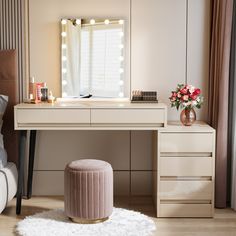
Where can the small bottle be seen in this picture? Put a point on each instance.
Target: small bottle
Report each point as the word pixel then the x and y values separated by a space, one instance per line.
pixel 32 88
pixel 51 98
pixel 44 93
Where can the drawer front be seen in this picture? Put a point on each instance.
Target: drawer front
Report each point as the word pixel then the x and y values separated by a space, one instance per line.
pixel 186 142
pixel 186 166
pixel 52 116
pixel 185 210
pixel 128 116
pixel 185 190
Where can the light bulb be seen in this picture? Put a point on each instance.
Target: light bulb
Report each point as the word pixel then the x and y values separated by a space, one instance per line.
pixel 121 22
pixel 121 58
pixel 63 21
pixel 64 94
pixel 121 34
pixel 121 82
pixel 64 70
pixel 64 82
pixel 92 21
pixel 106 22
pixel 63 34
pixel 78 21
pixel 63 46
pixel 64 58
pixel 121 70
pixel 121 94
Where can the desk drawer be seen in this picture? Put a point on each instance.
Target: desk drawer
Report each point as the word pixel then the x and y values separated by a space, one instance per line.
pixel 186 142
pixel 186 166
pixel 128 116
pixel 185 210
pixel 185 190
pixel 52 116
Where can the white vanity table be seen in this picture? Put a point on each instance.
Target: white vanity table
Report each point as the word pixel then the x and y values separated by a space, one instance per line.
pixel 183 160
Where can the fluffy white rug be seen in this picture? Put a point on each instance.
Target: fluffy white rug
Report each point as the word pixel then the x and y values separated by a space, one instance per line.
pixel 122 222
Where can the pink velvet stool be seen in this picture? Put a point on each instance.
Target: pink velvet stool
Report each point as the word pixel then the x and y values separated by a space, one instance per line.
pixel 88 190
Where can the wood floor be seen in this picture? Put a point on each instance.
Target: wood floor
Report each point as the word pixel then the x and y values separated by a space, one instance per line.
pixel 223 224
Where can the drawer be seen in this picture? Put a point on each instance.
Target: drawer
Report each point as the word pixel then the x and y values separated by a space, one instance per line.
pixel 52 116
pixel 185 210
pixel 186 166
pixel 128 116
pixel 185 190
pixel 186 142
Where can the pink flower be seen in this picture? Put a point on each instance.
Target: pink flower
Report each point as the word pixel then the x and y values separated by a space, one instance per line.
pixel 184 91
pixel 185 98
pixel 172 99
pixel 174 94
pixel 197 91
pixel 178 95
pixel 193 96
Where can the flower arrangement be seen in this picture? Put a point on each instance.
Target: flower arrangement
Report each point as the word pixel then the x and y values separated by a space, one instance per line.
pixel 186 97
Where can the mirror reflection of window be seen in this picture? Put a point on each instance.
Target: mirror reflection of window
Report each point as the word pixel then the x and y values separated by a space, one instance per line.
pixel 92 58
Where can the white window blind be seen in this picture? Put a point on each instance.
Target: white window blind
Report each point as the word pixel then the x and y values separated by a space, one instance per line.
pixel 101 69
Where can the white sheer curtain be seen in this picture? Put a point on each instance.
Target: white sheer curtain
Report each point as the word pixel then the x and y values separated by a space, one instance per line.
pixel 71 59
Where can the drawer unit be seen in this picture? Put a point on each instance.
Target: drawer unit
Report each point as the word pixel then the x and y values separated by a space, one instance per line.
pixel 185 171
pixel 90 115
pixel 186 142
pixel 148 117
pixel 52 116
pixel 185 190
pixel 185 166
pixel 185 210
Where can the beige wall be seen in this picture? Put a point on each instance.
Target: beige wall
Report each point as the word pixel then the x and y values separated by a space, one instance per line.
pixel 169 45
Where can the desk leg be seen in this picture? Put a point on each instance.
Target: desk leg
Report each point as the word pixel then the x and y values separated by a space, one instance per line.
pixel 31 162
pixel 21 162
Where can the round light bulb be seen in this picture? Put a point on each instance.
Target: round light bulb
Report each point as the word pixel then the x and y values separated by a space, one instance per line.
pixel 121 58
pixel 78 21
pixel 63 34
pixel 121 22
pixel 92 21
pixel 121 82
pixel 121 94
pixel 63 21
pixel 121 70
pixel 121 34
pixel 63 46
pixel 64 82
pixel 106 22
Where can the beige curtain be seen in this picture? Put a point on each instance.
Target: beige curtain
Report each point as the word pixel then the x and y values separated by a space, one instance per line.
pixel 218 91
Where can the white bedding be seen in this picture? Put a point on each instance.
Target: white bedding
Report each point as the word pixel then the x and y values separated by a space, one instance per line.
pixel 8 184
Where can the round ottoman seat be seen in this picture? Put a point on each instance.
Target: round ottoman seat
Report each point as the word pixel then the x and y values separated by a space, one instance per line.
pixel 88 190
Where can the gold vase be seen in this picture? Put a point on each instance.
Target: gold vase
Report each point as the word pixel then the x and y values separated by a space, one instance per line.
pixel 188 116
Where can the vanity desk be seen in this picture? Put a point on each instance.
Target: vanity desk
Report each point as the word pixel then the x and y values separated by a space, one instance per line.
pixel 183 157
pixel 79 115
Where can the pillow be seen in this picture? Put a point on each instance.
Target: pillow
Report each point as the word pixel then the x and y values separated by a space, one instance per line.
pixel 3 158
pixel 3 105
pixel 3 153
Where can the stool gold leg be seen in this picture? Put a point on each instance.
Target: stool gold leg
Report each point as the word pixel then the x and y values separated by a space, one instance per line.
pixel 87 221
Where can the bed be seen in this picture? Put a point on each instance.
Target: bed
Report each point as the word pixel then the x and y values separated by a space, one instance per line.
pixel 9 87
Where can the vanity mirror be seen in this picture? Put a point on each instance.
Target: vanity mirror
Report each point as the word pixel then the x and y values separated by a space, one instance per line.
pixel 93 56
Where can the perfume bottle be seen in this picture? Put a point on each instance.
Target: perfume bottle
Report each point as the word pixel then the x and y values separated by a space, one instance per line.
pixel 44 93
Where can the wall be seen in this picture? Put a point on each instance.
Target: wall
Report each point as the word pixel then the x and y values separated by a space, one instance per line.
pixel 169 45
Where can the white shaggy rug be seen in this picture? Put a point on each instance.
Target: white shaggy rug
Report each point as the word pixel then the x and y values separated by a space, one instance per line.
pixel 122 222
